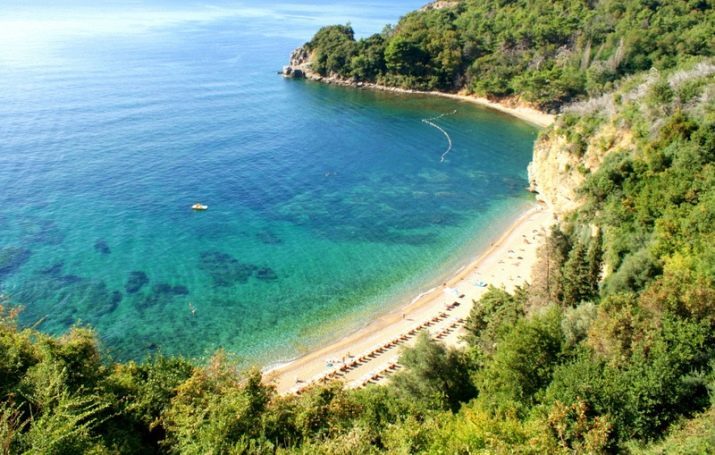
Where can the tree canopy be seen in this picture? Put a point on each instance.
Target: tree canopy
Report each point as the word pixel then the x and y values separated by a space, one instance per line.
pixel 544 53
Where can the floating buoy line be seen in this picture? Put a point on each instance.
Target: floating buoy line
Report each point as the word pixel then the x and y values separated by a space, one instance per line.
pixel 430 122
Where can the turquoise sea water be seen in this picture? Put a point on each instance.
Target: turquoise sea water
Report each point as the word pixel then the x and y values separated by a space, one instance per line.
pixel 326 205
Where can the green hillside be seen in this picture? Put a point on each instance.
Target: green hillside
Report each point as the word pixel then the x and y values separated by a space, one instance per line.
pixel 542 52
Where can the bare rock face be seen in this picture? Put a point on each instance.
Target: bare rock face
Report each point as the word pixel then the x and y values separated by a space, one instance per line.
pixel 439 4
pixel 289 71
pixel 557 172
pixel 299 66
pixel 299 57
pixel 553 175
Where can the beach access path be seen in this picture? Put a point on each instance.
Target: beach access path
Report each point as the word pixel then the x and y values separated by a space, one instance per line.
pixel 370 355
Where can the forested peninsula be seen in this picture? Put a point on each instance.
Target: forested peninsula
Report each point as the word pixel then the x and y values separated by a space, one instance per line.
pixel 610 348
pixel 537 52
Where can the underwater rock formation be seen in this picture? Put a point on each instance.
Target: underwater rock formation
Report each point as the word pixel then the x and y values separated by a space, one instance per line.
pixel 101 247
pixel 136 281
pixel 12 258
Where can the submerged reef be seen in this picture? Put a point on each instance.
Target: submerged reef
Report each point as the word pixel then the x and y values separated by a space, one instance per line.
pixel 101 247
pixel 167 289
pixel 161 295
pixel 225 270
pixel 266 274
pixel 70 298
pixel 268 238
pixel 12 258
pixel 136 281
pixel 43 232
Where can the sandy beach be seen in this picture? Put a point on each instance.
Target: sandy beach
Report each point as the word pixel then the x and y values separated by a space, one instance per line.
pixel 370 354
pixel 526 113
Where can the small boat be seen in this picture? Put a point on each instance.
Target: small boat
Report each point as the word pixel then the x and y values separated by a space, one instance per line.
pixel 199 206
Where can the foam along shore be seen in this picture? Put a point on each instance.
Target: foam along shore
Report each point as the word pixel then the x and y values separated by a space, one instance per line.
pixel 370 354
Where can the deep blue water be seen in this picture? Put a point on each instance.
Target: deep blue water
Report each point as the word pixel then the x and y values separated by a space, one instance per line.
pixel 326 205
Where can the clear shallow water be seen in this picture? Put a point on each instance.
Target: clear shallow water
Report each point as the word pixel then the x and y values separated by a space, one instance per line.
pixel 326 204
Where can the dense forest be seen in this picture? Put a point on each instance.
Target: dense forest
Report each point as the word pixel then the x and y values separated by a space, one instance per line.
pixel 542 52
pixel 610 348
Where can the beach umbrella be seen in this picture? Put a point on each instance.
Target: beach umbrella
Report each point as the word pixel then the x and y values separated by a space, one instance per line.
pixel 452 292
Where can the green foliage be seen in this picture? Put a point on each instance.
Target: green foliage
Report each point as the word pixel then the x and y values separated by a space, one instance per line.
pixel 577 321
pixel 11 425
pixel 575 430
pixel 545 53
pixel 547 284
pixel 692 437
pixel 17 352
pixel 595 262
pixel 493 315
pixel 523 362
pixel 67 427
pixel 214 412
pixel 476 430
pixel 577 284
pixel 659 381
pixel 636 270
pixel 435 375
pixel 149 387
pixel 369 59
pixel 333 48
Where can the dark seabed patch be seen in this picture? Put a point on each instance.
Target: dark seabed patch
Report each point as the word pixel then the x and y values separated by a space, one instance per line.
pixel 268 238
pixel 98 300
pixel 169 290
pixel 12 258
pixel 161 294
pixel 44 232
pixel 224 269
pixel 71 298
pixel 54 270
pixel 101 247
pixel 266 274
pixel 136 281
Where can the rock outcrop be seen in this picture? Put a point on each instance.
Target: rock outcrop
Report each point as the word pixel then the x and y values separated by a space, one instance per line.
pixel 299 66
pixel 557 170
pixel 439 4
pixel 553 175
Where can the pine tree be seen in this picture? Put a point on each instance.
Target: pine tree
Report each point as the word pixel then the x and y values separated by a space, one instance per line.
pixel 557 249
pixel 576 277
pixel 595 262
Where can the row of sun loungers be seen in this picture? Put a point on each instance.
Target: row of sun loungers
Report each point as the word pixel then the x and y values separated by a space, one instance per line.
pixel 449 329
pixel 376 375
pixel 376 351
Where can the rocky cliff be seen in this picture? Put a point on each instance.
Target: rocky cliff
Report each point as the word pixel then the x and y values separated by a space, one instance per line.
pixel 561 163
pixel 586 132
pixel 439 4
pixel 299 65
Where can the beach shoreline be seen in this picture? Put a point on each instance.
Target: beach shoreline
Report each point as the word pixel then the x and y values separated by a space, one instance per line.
pixel 498 265
pixel 519 110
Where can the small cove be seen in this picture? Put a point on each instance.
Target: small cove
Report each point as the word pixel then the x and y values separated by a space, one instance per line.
pixel 326 204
